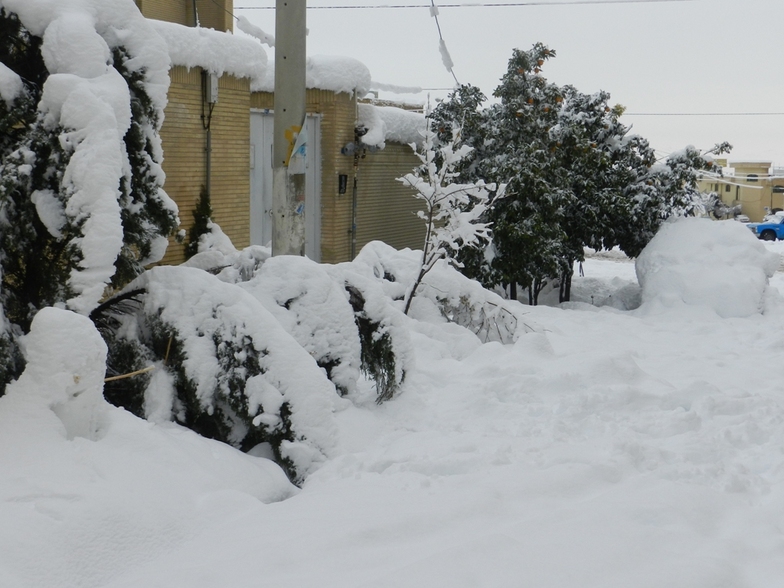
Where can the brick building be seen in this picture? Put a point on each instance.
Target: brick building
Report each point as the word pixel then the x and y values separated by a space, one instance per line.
pixel 237 167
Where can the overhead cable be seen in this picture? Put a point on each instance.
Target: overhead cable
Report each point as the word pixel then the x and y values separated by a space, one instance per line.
pixel 473 4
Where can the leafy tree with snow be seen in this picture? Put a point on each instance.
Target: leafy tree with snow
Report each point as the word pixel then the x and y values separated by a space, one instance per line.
pixel 576 177
pixel 452 210
pixel 81 200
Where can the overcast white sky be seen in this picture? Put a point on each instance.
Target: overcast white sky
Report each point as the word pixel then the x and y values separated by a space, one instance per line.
pixel 697 56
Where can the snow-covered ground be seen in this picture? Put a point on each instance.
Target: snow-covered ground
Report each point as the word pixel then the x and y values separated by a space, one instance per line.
pixel 606 448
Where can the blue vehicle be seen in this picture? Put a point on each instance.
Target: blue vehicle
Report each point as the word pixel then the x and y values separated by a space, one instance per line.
pixel 770 229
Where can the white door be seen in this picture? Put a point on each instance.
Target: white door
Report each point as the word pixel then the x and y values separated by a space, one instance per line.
pixel 261 127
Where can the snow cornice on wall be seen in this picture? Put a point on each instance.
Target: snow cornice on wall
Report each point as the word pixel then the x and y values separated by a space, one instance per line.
pixel 214 51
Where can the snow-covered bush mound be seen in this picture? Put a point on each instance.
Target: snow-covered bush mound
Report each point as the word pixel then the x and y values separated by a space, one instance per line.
pixel 696 261
pixel 457 298
pixel 315 310
pixel 225 367
pixel 386 350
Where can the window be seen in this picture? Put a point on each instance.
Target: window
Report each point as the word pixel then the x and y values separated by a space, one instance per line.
pixel 727 188
pixel 778 189
pixel 752 177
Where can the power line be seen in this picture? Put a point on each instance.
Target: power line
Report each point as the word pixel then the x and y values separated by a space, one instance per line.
pixel 703 113
pixel 474 4
pixel 445 57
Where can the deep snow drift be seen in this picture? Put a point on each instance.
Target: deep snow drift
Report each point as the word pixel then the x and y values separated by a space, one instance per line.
pixel 597 448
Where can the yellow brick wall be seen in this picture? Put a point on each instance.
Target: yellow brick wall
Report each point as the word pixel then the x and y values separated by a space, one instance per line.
pixel 184 144
pixel 386 209
pixel 168 10
pixel 213 14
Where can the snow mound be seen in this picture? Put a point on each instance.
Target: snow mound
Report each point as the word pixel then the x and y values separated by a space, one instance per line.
pixel 717 264
pixel 445 293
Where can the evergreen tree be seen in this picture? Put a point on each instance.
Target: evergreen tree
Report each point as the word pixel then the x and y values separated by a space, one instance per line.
pixel 576 177
pixel 42 230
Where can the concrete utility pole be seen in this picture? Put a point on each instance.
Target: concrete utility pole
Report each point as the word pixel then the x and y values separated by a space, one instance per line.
pixel 288 190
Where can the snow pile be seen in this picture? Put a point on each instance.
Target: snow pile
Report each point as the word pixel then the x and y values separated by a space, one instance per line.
pixel 326 72
pixel 445 294
pixel 388 123
pixel 214 51
pixel 315 310
pixel 718 264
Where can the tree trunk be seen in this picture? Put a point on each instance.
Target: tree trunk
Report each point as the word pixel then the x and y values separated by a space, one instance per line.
pixel 565 291
pixel 513 291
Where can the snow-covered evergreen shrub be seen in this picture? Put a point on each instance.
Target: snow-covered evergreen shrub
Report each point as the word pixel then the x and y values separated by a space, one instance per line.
pixel 234 374
pixel 386 349
pixel 215 253
pixel 202 217
pixel 314 310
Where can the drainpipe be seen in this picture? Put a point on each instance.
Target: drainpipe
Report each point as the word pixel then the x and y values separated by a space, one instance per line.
pixel 195 15
pixel 354 185
pixel 210 98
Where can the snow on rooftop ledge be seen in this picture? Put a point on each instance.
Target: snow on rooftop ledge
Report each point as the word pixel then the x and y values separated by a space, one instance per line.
pixel 327 72
pixel 388 123
pixel 213 51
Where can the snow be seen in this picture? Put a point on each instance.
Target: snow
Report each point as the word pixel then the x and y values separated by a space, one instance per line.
pixel 389 123
pixel 721 265
pixel 600 448
pixel 11 86
pixel 251 29
pixel 217 52
pixel 326 72
pixel 314 309
pixel 89 490
pixel 204 311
